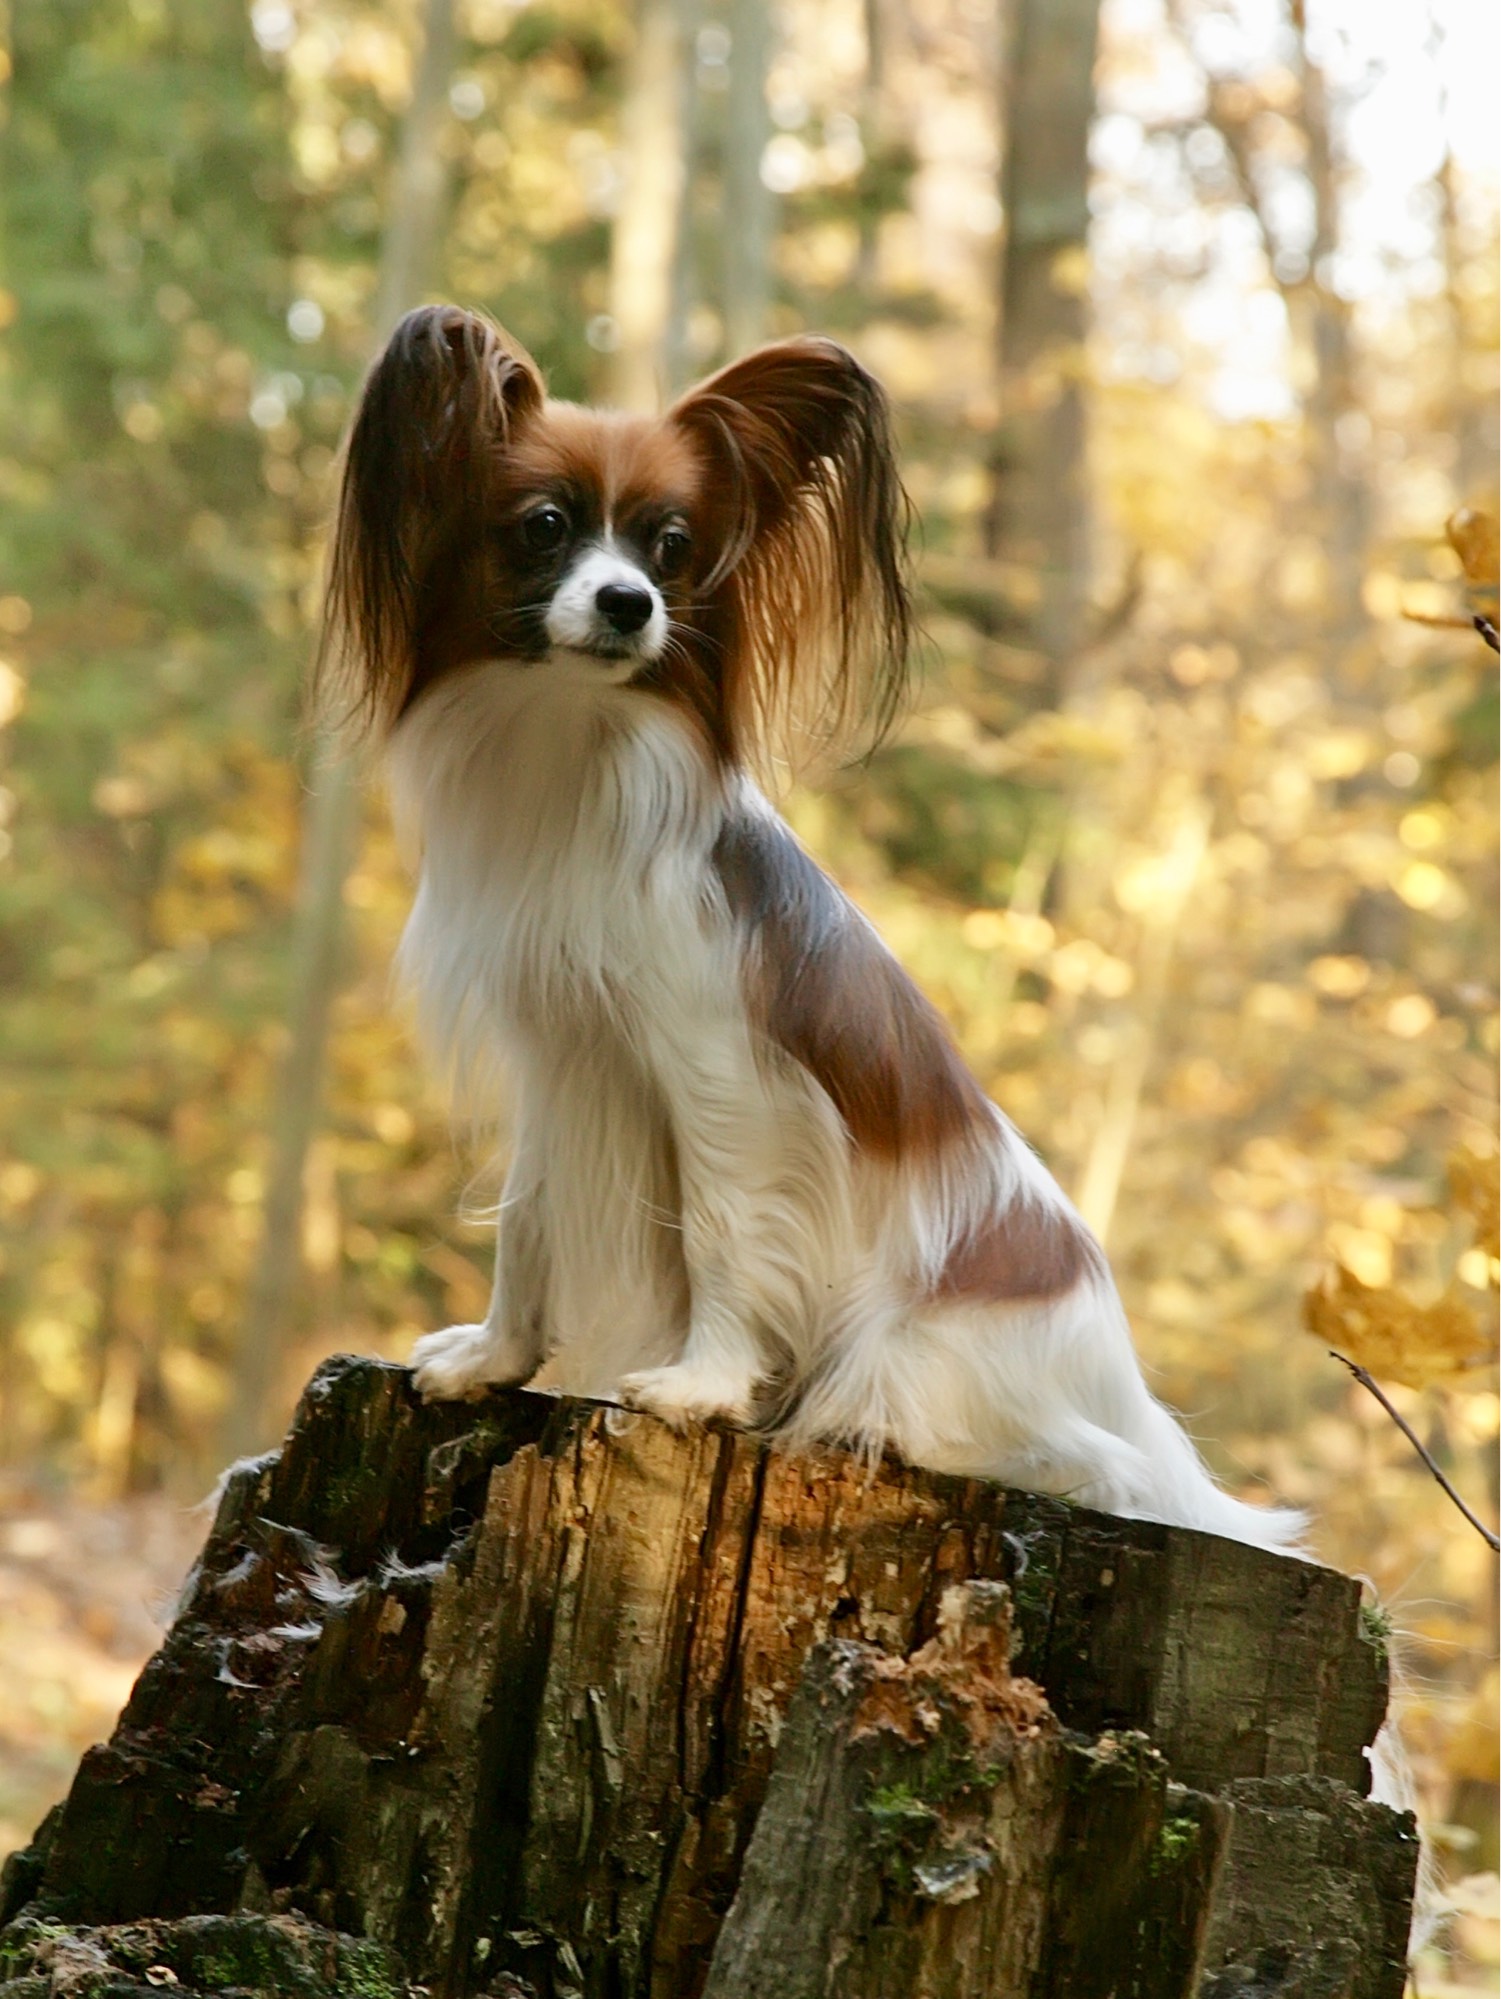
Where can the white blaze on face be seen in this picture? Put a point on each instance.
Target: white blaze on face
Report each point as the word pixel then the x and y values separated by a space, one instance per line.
pixel 575 618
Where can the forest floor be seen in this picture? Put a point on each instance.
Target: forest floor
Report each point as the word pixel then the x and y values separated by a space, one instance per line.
pixel 85 1591
pixel 86 1588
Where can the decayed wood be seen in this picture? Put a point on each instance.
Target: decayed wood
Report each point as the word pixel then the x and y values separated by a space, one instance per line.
pixel 930 1832
pixel 1315 1896
pixel 500 1685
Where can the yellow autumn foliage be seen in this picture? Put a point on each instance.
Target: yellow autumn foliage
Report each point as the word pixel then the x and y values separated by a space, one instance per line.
pixel 1475 1182
pixel 1476 1750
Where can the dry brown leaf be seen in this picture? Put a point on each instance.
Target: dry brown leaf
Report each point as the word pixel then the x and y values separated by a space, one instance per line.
pixel 1393 1337
pixel 1475 538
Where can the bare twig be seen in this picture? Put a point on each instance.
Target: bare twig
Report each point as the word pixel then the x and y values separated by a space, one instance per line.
pixel 1488 632
pixel 1440 623
pixel 1405 1427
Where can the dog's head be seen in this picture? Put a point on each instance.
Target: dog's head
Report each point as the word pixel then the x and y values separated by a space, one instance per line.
pixel 742 554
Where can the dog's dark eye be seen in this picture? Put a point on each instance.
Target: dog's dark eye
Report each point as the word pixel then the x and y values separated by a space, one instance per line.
pixel 544 529
pixel 672 551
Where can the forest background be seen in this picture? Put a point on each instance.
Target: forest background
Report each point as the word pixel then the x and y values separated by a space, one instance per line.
pixel 1189 312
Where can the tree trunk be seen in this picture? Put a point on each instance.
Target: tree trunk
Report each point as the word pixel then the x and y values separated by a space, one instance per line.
pixel 1320 321
pixel 1038 525
pixel 747 199
pixel 647 281
pixel 332 815
pixel 329 822
pixel 1110 1148
pixel 500 1687
pixel 867 272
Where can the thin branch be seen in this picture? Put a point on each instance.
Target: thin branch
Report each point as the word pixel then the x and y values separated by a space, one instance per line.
pixel 1405 1427
pixel 1488 632
pixel 1234 133
pixel 1445 624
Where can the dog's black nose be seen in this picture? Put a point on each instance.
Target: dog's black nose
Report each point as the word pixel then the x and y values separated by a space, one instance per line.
pixel 624 608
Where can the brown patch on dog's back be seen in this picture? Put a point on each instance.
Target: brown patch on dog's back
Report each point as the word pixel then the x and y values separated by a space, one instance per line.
pixel 1030 1251
pixel 825 988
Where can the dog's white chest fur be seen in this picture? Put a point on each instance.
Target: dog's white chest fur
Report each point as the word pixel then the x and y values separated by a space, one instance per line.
pixel 568 927
pixel 565 826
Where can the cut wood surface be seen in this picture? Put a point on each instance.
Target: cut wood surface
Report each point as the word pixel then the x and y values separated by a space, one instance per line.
pixel 500 1686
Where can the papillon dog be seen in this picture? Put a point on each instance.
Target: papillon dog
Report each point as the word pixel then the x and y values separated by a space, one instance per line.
pixel 750 1177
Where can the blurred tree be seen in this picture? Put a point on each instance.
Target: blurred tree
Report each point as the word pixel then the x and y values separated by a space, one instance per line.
pixel 1038 522
pixel 1261 122
pixel 873 137
pixel 408 255
pixel 747 199
pixel 149 396
pixel 646 273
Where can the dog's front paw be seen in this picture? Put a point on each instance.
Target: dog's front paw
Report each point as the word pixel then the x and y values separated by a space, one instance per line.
pixel 463 1361
pixel 687 1393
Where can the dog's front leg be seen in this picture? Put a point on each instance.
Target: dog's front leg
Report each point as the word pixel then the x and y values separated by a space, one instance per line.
pixel 755 1183
pixel 507 1346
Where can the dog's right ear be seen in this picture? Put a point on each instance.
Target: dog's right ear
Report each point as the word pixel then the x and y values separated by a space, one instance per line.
pixel 442 399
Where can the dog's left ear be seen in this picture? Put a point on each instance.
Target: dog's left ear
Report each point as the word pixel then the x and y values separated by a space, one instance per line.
pixel 812 531
pixel 448 391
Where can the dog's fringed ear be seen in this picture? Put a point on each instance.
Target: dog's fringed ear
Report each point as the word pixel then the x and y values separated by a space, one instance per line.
pixel 814 547
pixel 444 396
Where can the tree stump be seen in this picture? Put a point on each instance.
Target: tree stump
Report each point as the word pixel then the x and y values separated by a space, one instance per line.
pixel 495 1692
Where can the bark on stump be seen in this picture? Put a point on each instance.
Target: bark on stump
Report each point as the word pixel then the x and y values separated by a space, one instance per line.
pixel 500 1687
